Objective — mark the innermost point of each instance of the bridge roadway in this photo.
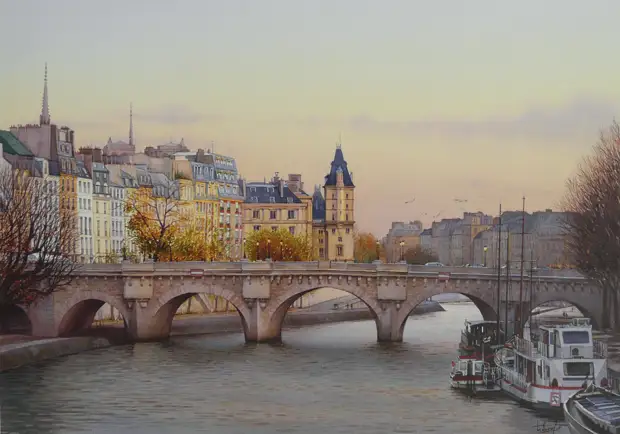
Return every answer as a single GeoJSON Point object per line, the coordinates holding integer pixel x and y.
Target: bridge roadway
{"type": "Point", "coordinates": [148, 294]}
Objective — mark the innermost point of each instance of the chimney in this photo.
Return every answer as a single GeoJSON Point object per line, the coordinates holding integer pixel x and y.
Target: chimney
{"type": "Point", "coordinates": [294, 182]}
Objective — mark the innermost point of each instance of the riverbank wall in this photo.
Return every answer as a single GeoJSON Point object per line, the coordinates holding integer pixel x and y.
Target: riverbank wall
{"type": "Point", "coordinates": [23, 353]}
{"type": "Point", "coordinates": [17, 351]}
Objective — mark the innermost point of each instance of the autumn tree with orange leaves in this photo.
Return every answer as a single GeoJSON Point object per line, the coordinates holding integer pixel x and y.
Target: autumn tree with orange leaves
{"type": "Point", "coordinates": [366, 248]}
{"type": "Point", "coordinates": [278, 245]}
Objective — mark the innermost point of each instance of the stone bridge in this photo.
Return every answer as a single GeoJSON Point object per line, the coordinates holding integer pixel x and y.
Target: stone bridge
{"type": "Point", "coordinates": [149, 294]}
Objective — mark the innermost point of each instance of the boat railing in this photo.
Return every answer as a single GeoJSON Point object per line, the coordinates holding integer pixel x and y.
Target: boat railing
{"type": "Point", "coordinates": [525, 347]}
{"type": "Point", "coordinates": [599, 349]}
{"type": "Point", "coordinates": [515, 379]}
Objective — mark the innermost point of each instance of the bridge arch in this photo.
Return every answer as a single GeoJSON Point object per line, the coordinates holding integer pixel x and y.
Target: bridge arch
{"type": "Point", "coordinates": [15, 318]}
{"type": "Point", "coordinates": [588, 304]}
{"type": "Point", "coordinates": [162, 309]}
{"type": "Point", "coordinates": [78, 312]}
{"type": "Point", "coordinates": [280, 305]}
{"type": "Point", "coordinates": [476, 293]}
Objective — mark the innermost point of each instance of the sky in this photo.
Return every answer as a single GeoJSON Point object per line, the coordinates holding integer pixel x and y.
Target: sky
{"type": "Point", "coordinates": [483, 101]}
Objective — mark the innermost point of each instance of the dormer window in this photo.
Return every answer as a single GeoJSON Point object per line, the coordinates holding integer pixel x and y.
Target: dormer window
{"type": "Point", "coordinates": [289, 199]}
{"type": "Point", "coordinates": [272, 199]}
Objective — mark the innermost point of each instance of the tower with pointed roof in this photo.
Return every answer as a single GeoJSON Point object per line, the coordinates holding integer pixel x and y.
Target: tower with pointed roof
{"type": "Point", "coordinates": [339, 209]}
{"type": "Point", "coordinates": [44, 119]}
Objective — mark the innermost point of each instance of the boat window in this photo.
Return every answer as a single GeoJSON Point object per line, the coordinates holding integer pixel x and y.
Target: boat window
{"type": "Point", "coordinates": [478, 367]}
{"type": "Point", "coordinates": [578, 369]}
{"type": "Point", "coordinates": [576, 337]}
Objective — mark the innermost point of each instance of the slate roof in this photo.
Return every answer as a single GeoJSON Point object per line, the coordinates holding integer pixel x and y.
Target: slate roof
{"type": "Point", "coordinates": [12, 145]}
{"type": "Point", "coordinates": [259, 192]}
{"type": "Point", "coordinates": [339, 164]}
{"type": "Point", "coordinates": [426, 232]}
{"type": "Point", "coordinates": [82, 171]}
{"type": "Point", "coordinates": [318, 205]}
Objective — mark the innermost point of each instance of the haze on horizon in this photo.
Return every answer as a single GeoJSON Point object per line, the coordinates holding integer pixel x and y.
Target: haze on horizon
{"type": "Point", "coordinates": [484, 101]}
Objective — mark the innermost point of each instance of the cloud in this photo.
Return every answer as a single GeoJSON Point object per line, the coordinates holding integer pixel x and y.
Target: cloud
{"type": "Point", "coordinates": [173, 115]}
{"type": "Point", "coordinates": [582, 115]}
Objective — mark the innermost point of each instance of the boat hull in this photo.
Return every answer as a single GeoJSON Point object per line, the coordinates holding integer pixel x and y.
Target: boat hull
{"type": "Point", "coordinates": [573, 420]}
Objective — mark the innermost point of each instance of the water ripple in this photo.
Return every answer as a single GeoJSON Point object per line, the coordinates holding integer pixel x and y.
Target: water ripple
{"type": "Point", "coordinates": [332, 379]}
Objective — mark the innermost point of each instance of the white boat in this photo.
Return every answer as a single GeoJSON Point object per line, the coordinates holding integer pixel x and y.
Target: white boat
{"type": "Point", "coordinates": [593, 410]}
{"type": "Point", "coordinates": [545, 369]}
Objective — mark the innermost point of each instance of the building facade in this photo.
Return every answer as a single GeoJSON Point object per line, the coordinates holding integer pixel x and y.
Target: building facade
{"type": "Point", "coordinates": [85, 212]}
{"type": "Point", "coordinates": [334, 222]}
{"type": "Point", "coordinates": [277, 204]}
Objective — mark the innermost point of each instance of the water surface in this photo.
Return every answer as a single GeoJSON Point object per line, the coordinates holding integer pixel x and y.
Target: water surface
{"type": "Point", "coordinates": [326, 379]}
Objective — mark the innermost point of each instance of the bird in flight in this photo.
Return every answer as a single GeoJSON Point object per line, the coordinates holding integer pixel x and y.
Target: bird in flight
{"type": "Point", "coordinates": [410, 201]}
{"type": "Point", "coordinates": [460, 200]}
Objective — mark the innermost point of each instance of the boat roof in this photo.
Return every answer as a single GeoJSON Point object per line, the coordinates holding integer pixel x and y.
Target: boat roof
{"type": "Point", "coordinates": [606, 408]}
{"type": "Point", "coordinates": [480, 322]}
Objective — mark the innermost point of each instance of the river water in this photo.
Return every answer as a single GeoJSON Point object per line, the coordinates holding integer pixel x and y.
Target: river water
{"type": "Point", "coordinates": [326, 379]}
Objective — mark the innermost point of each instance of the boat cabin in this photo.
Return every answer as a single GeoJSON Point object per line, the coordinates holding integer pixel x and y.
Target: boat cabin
{"type": "Point", "coordinates": [569, 341]}
{"type": "Point", "coordinates": [479, 333]}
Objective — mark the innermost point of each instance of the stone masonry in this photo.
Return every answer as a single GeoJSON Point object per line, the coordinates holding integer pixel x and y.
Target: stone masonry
{"type": "Point", "coordinates": [149, 294]}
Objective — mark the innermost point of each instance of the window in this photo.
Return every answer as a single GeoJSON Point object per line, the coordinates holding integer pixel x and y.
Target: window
{"type": "Point", "coordinates": [320, 240]}
{"type": "Point", "coordinates": [255, 214]}
{"type": "Point", "coordinates": [98, 231]}
{"type": "Point", "coordinates": [291, 214]}
{"type": "Point", "coordinates": [339, 250]}
{"type": "Point", "coordinates": [576, 337]}
{"type": "Point", "coordinates": [346, 216]}
{"type": "Point", "coordinates": [347, 196]}
{"type": "Point", "coordinates": [321, 252]}
{"type": "Point", "coordinates": [340, 239]}
{"type": "Point", "coordinates": [578, 369]}
{"type": "Point", "coordinates": [348, 230]}
{"type": "Point", "coordinates": [257, 228]}
{"type": "Point", "coordinates": [333, 231]}
{"type": "Point", "coordinates": [333, 216]}
{"type": "Point", "coordinates": [272, 215]}
{"type": "Point", "coordinates": [291, 229]}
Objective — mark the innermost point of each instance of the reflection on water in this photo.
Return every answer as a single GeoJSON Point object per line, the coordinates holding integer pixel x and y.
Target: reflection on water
{"type": "Point", "coordinates": [330, 379]}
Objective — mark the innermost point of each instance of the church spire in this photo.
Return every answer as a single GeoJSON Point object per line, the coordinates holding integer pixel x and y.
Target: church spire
{"type": "Point", "coordinates": [131, 124]}
{"type": "Point", "coordinates": [44, 119]}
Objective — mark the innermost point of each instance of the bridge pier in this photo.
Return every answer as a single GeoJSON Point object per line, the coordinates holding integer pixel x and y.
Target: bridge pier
{"type": "Point", "coordinates": [259, 325]}
{"type": "Point", "coordinates": [390, 327]}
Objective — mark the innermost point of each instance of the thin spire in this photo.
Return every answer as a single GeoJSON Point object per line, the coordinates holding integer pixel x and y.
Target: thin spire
{"type": "Point", "coordinates": [44, 119]}
{"type": "Point", "coordinates": [131, 124]}
{"type": "Point", "coordinates": [339, 144]}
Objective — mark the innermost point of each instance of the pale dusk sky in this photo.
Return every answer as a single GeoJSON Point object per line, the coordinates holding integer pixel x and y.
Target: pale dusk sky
{"type": "Point", "coordinates": [482, 100]}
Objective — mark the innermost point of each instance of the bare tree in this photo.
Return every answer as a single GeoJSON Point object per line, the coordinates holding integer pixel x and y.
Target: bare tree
{"type": "Point", "coordinates": [37, 239]}
{"type": "Point", "coordinates": [155, 218]}
{"type": "Point", "coordinates": [593, 227]}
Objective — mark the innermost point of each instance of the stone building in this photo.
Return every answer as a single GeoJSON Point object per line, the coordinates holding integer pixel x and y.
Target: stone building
{"type": "Point", "coordinates": [334, 213]}
{"type": "Point", "coordinates": [277, 204]}
{"type": "Point", "coordinates": [452, 239]}
{"type": "Point", "coordinates": [407, 233]}
{"type": "Point", "coordinates": [543, 238]}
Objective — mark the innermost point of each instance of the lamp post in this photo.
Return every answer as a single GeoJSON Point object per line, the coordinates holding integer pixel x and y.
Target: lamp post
{"type": "Point", "coordinates": [257, 250]}
{"type": "Point", "coordinates": [484, 249]}
{"type": "Point", "coordinates": [244, 256]}
{"type": "Point", "coordinates": [402, 251]}
{"type": "Point", "coordinates": [268, 249]}
{"type": "Point", "coordinates": [281, 251]}
{"type": "Point", "coordinates": [378, 250]}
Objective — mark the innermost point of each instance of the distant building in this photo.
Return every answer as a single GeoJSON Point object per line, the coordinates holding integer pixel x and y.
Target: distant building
{"type": "Point", "coordinates": [400, 232]}
{"type": "Point", "coordinates": [277, 204]}
{"type": "Point", "coordinates": [334, 213]}
{"type": "Point", "coordinates": [453, 239]}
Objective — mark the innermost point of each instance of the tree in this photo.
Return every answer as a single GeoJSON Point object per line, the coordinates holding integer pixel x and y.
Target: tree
{"type": "Point", "coordinates": [592, 228]}
{"type": "Point", "coordinates": [419, 256]}
{"type": "Point", "coordinates": [191, 243]}
{"type": "Point", "coordinates": [365, 248]}
{"type": "Point", "coordinates": [37, 240]}
{"type": "Point", "coordinates": [278, 245]}
{"type": "Point", "coordinates": [155, 219]}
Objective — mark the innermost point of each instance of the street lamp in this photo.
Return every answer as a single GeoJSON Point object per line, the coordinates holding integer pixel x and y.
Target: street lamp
{"type": "Point", "coordinates": [269, 249]}
{"type": "Point", "coordinates": [485, 248]}
{"type": "Point", "coordinates": [281, 251]}
{"type": "Point", "coordinates": [244, 257]}
{"type": "Point", "coordinates": [378, 250]}
{"type": "Point", "coordinates": [402, 251]}
{"type": "Point", "coordinates": [257, 250]}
